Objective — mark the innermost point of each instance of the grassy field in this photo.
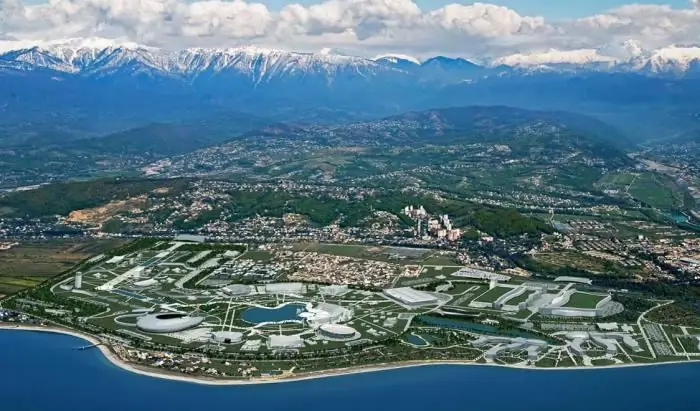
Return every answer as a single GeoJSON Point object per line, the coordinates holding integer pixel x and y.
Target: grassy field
{"type": "Point", "coordinates": [617, 181]}
{"type": "Point", "coordinates": [690, 344]}
{"type": "Point", "coordinates": [493, 294]}
{"type": "Point", "coordinates": [584, 300]}
{"type": "Point", "coordinates": [521, 315]}
{"type": "Point", "coordinates": [29, 264]}
{"type": "Point", "coordinates": [261, 256]}
{"type": "Point", "coordinates": [520, 299]}
{"type": "Point", "coordinates": [412, 256]}
{"type": "Point", "coordinates": [656, 191]}
{"type": "Point", "coordinates": [441, 260]}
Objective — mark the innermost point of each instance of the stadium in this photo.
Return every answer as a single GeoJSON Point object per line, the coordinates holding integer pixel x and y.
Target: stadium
{"type": "Point", "coordinates": [338, 332]}
{"type": "Point", "coordinates": [325, 313]}
{"type": "Point", "coordinates": [167, 322]}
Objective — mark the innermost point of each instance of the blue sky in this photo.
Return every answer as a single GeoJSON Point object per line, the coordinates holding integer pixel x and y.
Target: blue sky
{"type": "Point", "coordinates": [558, 9]}
{"type": "Point", "coordinates": [552, 9]}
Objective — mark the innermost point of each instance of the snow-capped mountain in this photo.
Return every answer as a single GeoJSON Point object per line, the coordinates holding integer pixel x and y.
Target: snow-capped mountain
{"type": "Point", "coordinates": [256, 63]}
{"type": "Point", "coordinates": [102, 57]}
{"type": "Point", "coordinates": [670, 60]}
{"type": "Point", "coordinates": [627, 57]}
{"type": "Point", "coordinates": [109, 84]}
{"type": "Point", "coordinates": [573, 58]}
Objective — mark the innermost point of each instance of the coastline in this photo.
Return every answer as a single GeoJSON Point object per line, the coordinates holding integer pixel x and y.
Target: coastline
{"type": "Point", "coordinates": [125, 365]}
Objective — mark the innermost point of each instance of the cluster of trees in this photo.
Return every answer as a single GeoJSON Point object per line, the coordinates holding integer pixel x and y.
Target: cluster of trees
{"type": "Point", "coordinates": [546, 270]}
{"type": "Point", "coordinates": [133, 246]}
{"type": "Point", "coordinates": [62, 198]}
{"type": "Point", "coordinates": [679, 313]}
{"type": "Point", "coordinates": [324, 210]}
{"type": "Point", "coordinates": [192, 282]}
{"type": "Point", "coordinates": [507, 223]}
{"type": "Point", "coordinates": [81, 308]}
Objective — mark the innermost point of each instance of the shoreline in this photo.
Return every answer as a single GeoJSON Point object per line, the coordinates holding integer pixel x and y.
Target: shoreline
{"type": "Point", "coordinates": [125, 365]}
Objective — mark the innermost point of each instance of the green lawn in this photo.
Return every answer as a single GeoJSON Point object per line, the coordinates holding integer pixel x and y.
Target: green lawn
{"type": "Point", "coordinates": [602, 361]}
{"type": "Point", "coordinates": [690, 344]}
{"type": "Point", "coordinates": [584, 300]}
{"type": "Point", "coordinates": [655, 191]}
{"type": "Point", "coordinates": [520, 299]}
{"type": "Point", "coordinates": [30, 263]}
{"type": "Point", "coordinates": [493, 294]}
{"type": "Point", "coordinates": [521, 315]}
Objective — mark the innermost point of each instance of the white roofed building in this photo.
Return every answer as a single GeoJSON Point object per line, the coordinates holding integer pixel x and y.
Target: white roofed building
{"type": "Point", "coordinates": [338, 332]}
{"type": "Point", "coordinates": [284, 342]}
{"type": "Point", "coordinates": [410, 297]}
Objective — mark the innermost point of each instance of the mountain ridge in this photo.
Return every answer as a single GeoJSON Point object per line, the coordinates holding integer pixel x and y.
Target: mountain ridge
{"type": "Point", "coordinates": [89, 56]}
{"type": "Point", "coordinates": [112, 87]}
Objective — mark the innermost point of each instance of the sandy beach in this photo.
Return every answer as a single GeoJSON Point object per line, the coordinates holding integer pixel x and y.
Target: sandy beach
{"type": "Point", "coordinates": [164, 374]}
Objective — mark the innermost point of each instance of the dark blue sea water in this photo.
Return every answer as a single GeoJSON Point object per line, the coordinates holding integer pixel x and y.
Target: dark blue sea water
{"type": "Point", "coordinates": [41, 371]}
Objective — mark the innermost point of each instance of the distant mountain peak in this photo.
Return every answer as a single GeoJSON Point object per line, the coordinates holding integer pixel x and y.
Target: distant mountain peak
{"type": "Point", "coordinates": [441, 60]}
{"type": "Point", "coordinates": [396, 58]}
{"type": "Point", "coordinates": [580, 57]}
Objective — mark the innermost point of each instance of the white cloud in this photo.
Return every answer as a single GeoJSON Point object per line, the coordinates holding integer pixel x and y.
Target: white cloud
{"type": "Point", "coordinates": [366, 27]}
{"type": "Point", "coordinates": [581, 56]}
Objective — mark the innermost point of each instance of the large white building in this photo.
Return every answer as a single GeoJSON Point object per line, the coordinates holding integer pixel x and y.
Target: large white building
{"type": "Point", "coordinates": [191, 238]}
{"type": "Point", "coordinates": [78, 282]}
{"type": "Point", "coordinates": [338, 332]}
{"type": "Point", "coordinates": [556, 305]}
{"type": "Point", "coordinates": [227, 337]}
{"type": "Point", "coordinates": [504, 344]}
{"type": "Point", "coordinates": [410, 297]}
{"type": "Point", "coordinates": [325, 313]}
{"type": "Point", "coordinates": [285, 288]}
{"type": "Point", "coordinates": [235, 290]}
{"type": "Point", "coordinates": [415, 212]}
{"type": "Point", "coordinates": [284, 342]}
{"type": "Point", "coordinates": [167, 322]}
{"type": "Point", "coordinates": [133, 273]}
{"type": "Point", "coordinates": [468, 272]}
{"type": "Point", "coordinates": [334, 290]}
{"type": "Point", "coordinates": [567, 279]}
{"type": "Point", "coordinates": [609, 341]}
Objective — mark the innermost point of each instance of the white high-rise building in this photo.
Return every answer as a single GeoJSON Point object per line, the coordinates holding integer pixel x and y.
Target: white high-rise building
{"type": "Point", "coordinates": [415, 212]}
{"type": "Point", "coordinates": [78, 282]}
{"type": "Point", "coordinates": [446, 222]}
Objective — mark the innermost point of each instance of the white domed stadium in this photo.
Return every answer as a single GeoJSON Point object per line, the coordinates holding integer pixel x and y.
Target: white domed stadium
{"type": "Point", "coordinates": [325, 313]}
{"type": "Point", "coordinates": [338, 332]}
{"type": "Point", "coordinates": [237, 290]}
{"type": "Point", "coordinates": [167, 322]}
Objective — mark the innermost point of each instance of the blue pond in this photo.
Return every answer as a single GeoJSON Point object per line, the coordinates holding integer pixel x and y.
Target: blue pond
{"type": "Point", "coordinates": [257, 315]}
{"type": "Point", "coordinates": [415, 340]}
{"type": "Point", "coordinates": [85, 381]}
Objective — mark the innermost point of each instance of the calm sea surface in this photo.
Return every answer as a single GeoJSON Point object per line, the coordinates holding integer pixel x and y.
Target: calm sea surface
{"type": "Point", "coordinates": [41, 371]}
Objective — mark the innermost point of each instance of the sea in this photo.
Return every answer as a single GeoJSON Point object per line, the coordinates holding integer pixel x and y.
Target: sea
{"type": "Point", "coordinates": [44, 371]}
